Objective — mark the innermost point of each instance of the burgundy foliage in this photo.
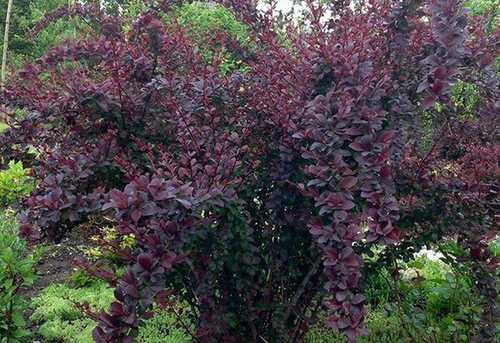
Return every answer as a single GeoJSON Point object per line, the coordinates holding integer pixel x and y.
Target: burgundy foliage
{"type": "Point", "coordinates": [253, 195]}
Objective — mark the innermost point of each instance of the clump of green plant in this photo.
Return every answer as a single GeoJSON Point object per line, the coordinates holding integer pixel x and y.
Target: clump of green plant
{"type": "Point", "coordinates": [109, 245]}
{"type": "Point", "coordinates": [481, 6]}
{"type": "Point", "coordinates": [490, 10]}
{"type": "Point", "coordinates": [60, 320]}
{"type": "Point", "coordinates": [131, 12]}
{"type": "Point", "coordinates": [14, 184]}
{"type": "Point", "coordinates": [9, 229]}
{"type": "Point", "coordinates": [80, 278]}
{"type": "Point", "coordinates": [204, 18]}
{"type": "Point", "coordinates": [495, 248]}
{"type": "Point", "coordinates": [439, 301]}
{"type": "Point", "coordinates": [162, 328]}
{"type": "Point", "coordinates": [16, 272]}
{"type": "Point", "coordinates": [379, 291]}
{"type": "Point", "coordinates": [466, 98]}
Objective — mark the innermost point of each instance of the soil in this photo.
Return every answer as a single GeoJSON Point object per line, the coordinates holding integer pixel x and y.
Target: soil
{"type": "Point", "coordinates": [56, 265]}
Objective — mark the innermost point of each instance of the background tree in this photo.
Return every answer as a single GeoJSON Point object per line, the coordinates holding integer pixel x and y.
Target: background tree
{"type": "Point", "coordinates": [6, 41]}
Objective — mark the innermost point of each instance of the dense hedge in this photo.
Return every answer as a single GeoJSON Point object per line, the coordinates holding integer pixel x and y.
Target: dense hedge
{"type": "Point", "coordinates": [255, 196]}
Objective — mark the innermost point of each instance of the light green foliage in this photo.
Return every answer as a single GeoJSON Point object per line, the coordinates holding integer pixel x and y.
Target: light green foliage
{"type": "Point", "coordinates": [439, 301]}
{"type": "Point", "coordinates": [202, 20]}
{"type": "Point", "coordinates": [80, 279]}
{"type": "Point", "coordinates": [161, 329]}
{"type": "Point", "coordinates": [490, 8]}
{"type": "Point", "coordinates": [382, 328]}
{"type": "Point", "coordinates": [495, 248]}
{"type": "Point", "coordinates": [443, 290]}
{"type": "Point", "coordinates": [26, 13]}
{"type": "Point", "coordinates": [75, 331]}
{"type": "Point", "coordinates": [9, 232]}
{"type": "Point", "coordinates": [56, 32]}
{"type": "Point", "coordinates": [431, 303]}
{"type": "Point", "coordinates": [19, 113]}
{"type": "Point", "coordinates": [16, 271]}
{"type": "Point", "coordinates": [14, 184]}
{"type": "Point", "coordinates": [60, 320]}
{"type": "Point", "coordinates": [131, 12]}
{"type": "Point", "coordinates": [466, 97]}
{"type": "Point", "coordinates": [479, 7]}
{"type": "Point", "coordinates": [380, 290]}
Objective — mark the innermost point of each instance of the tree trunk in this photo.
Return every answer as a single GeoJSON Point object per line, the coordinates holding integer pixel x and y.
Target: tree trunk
{"type": "Point", "coordinates": [6, 42]}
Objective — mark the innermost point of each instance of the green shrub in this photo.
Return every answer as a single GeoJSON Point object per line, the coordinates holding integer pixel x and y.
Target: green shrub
{"type": "Point", "coordinates": [201, 20]}
{"type": "Point", "coordinates": [431, 303]}
{"type": "Point", "coordinates": [439, 302]}
{"type": "Point", "coordinates": [14, 184]}
{"type": "Point", "coordinates": [131, 12]}
{"type": "Point", "coordinates": [16, 272]}
{"type": "Point", "coordinates": [75, 331]}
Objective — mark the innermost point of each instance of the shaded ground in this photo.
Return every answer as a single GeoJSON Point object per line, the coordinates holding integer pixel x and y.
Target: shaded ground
{"type": "Point", "coordinates": [56, 265]}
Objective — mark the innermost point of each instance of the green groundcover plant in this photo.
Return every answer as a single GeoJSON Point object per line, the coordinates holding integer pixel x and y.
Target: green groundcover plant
{"type": "Point", "coordinates": [55, 310]}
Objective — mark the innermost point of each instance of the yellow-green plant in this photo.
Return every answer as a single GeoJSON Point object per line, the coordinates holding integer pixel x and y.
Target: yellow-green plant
{"type": "Point", "coordinates": [110, 243]}
{"type": "Point", "coordinates": [14, 184]}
